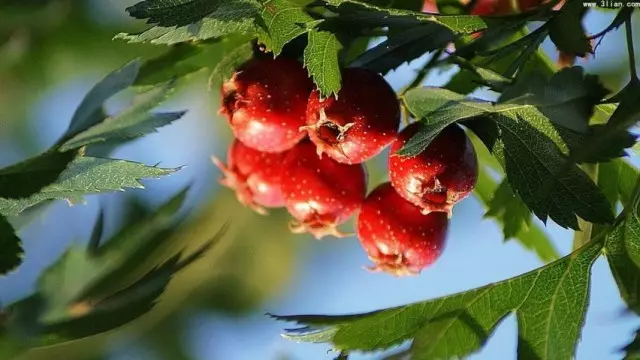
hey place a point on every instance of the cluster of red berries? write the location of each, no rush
(295, 149)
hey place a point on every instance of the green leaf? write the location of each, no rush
(230, 63)
(28, 177)
(540, 173)
(531, 149)
(508, 206)
(513, 216)
(321, 60)
(85, 176)
(62, 282)
(566, 30)
(215, 19)
(549, 304)
(622, 245)
(567, 98)
(137, 277)
(483, 76)
(94, 273)
(85, 115)
(97, 316)
(133, 122)
(633, 348)
(175, 63)
(436, 109)
(611, 139)
(363, 14)
(404, 47)
(173, 12)
(623, 268)
(11, 252)
(515, 52)
(282, 22)
(134, 244)
(617, 178)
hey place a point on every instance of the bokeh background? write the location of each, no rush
(52, 52)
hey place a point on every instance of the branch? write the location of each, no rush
(632, 56)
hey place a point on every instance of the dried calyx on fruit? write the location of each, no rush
(254, 176)
(397, 236)
(265, 103)
(359, 123)
(320, 193)
(439, 177)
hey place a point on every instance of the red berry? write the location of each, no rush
(357, 125)
(265, 102)
(439, 177)
(493, 7)
(320, 193)
(254, 175)
(430, 6)
(396, 236)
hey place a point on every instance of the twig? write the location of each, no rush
(632, 55)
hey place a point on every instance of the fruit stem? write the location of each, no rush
(581, 237)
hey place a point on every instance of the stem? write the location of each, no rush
(581, 237)
(632, 55)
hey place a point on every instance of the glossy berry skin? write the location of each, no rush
(360, 123)
(439, 177)
(265, 103)
(320, 193)
(397, 236)
(430, 7)
(254, 175)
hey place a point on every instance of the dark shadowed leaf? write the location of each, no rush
(133, 122)
(404, 47)
(368, 15)
(28, 177)
(10, 247)
(549, 304)
(182, 20)
(175, 63)
(567, 98)
(85, 115)
(566, 30)
(173, 12)
(611, 139)
(632, 350)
